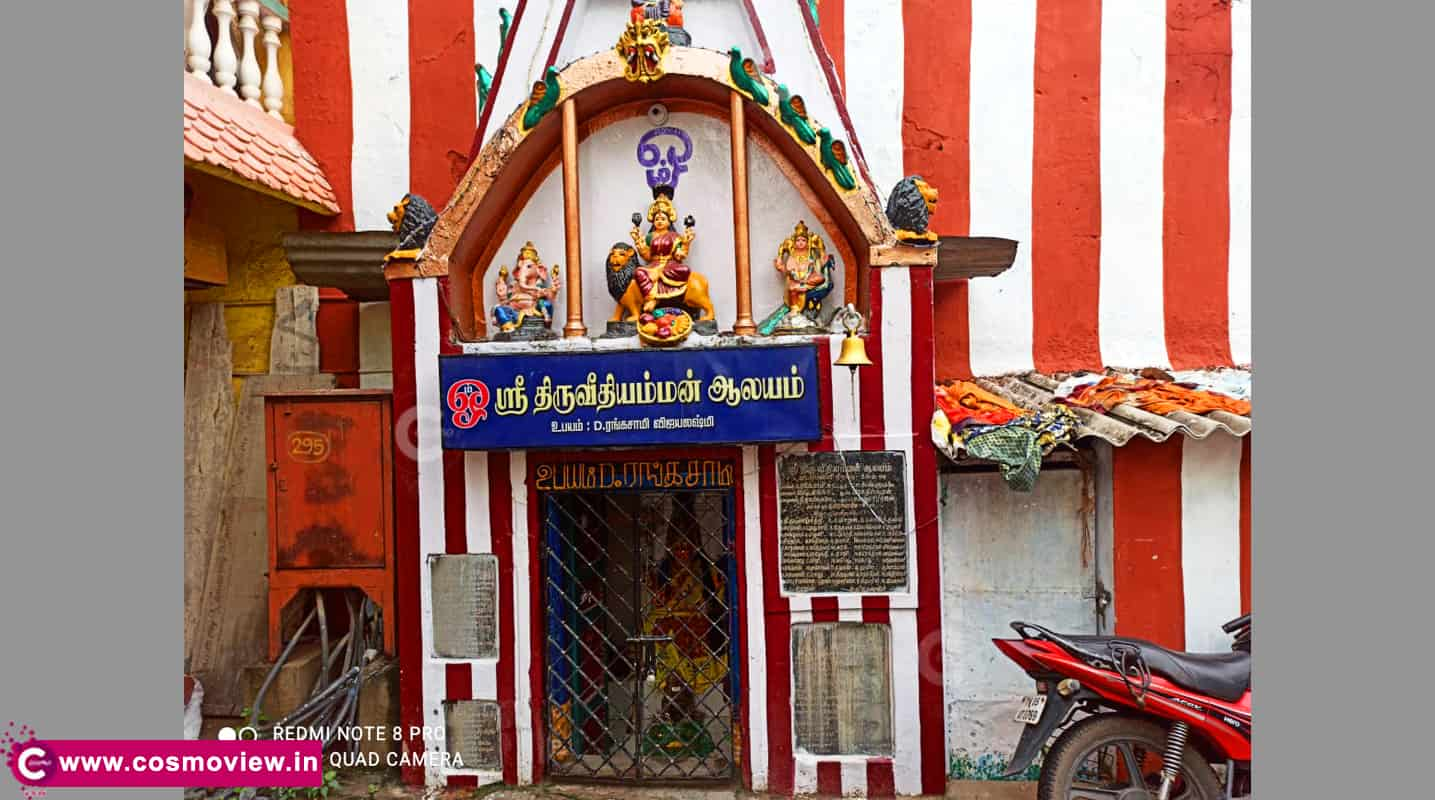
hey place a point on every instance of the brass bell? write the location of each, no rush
(854, 347)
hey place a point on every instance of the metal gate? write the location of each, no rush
(641, 664)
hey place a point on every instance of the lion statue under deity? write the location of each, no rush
(653, 272)
(909, 209)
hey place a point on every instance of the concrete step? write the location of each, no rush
(292, 687)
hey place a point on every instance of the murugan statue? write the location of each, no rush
(525, 296)
(806, 269)
(663, 279)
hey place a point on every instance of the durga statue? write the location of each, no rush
(654, 272)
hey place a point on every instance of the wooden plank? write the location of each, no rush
(294, 343)
(208, 422)
(962, 257)
(231, 632)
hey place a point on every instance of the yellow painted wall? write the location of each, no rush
(254, 226)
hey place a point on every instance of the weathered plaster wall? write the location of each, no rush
(253, 227)
(1007, 556)
(614, 186)
(379, 72)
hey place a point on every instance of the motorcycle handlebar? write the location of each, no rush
(1236, 624)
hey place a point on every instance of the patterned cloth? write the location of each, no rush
(1158, 397)
(962, 401)
(1020, 445)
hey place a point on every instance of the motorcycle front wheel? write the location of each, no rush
(1112, 757)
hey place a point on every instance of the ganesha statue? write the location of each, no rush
(653, 273)
(806, 270)
(525, 297)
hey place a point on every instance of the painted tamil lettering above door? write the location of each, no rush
(639, 397)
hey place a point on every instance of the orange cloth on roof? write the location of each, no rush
(1158, 397)
(963, 400)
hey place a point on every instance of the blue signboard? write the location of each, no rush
(631, 397)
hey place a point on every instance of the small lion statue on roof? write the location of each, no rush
(413, 220)
(909, 208)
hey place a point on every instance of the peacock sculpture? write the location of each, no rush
(834, 158)
(793, 111)
(542, 99)
(485, 85)
(505, 21)
(746, 77)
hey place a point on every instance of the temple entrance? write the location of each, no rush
(641, 662)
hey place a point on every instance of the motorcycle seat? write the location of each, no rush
(1224, 676)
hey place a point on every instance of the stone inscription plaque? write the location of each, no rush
(465, 610)
(842, 522)
(842, 688)
(472, 727)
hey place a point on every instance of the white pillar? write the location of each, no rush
(225, 63)
(273, 84)
(249, 60)
(196, 40)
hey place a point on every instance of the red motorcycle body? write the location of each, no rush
(1220, 726)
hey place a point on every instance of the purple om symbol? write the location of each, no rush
(664, 168)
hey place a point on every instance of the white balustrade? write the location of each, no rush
(226, 64)
(273, 85)
(196, 39)
(231, 59)
(248, 61)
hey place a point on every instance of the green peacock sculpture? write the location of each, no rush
(746, 77)
(485, 85)
(834, 158)
(542, 99)
(794, 115)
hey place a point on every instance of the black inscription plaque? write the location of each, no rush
(842, 522)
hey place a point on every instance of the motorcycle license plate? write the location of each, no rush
(1031, 708)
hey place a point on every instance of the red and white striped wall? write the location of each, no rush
(1181, 539)
(385, 97)
(1111, 139)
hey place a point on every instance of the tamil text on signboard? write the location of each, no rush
(641, 397)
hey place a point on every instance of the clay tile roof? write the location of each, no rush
(1124, 421)
(223, 131)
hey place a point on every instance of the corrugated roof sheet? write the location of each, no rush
(1119, 424)
(223, 131)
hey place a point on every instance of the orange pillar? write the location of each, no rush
(744, 324)
(572, 231)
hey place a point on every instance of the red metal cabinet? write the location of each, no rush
(330, 498)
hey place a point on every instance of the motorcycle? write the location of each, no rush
(1133, 720)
